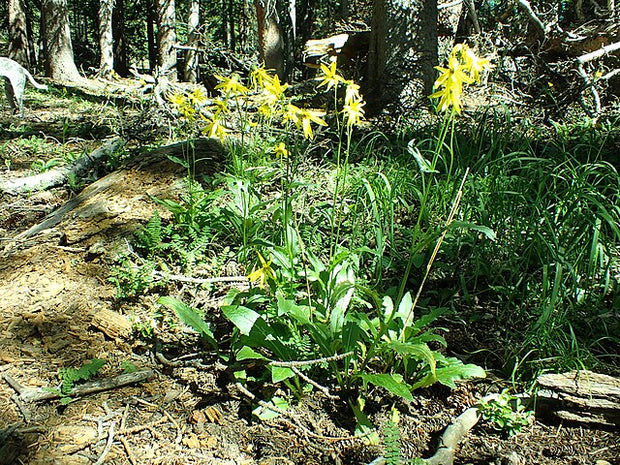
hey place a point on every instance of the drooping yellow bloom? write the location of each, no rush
(354, 112)
(274, 91)
(178, 100)
(310, 116)
(281, 150)
(473, 64)
(231, 86)
(259, 77)
(219, 106)
(352, 92)
(261, 274)
(197, 96)
(330, 76)
(215, 129)
(451, 79)
(183, 105)
(292, 114)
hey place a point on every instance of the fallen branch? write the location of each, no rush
(38, 394)
(57, 177)
(540, 27)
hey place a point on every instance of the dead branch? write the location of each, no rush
(527, 8)
(38, 394)
(57, 177)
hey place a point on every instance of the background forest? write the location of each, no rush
(361, 200)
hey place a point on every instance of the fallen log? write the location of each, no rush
(59, 176)
(580, 396)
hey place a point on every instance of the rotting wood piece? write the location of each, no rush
(581, 396)
(38, 394)
(113, 324)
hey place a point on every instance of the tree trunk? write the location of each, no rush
(120, 44)
(59, 61)
(270, 43)
(150, 35)
(166, 38)
(232, 36)
(402, 53)
(191, 56)
(106, 39)
(18, 34)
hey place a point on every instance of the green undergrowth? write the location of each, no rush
(359, 246)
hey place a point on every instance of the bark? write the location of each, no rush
(270, 43)
(120, 44)
(191, 56)
(166, 38)
(106, 39)
(150, 34)
(402, 52)
(60, 64)
(18, 34)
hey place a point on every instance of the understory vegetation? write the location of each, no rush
(361, 247)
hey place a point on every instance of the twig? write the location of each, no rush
(128, 450)
(108, 445)
(525, 6)
(189, 279)
(293, 422)
(36, 395)
(300, 363)
(309, 380)
(444, 6)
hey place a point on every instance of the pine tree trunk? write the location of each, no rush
(18, 34)
(120, 44)
(270, 43)
(60, 64)
(166, 38)
(191, 56)
(403, 51)
(150, 34)
(106, 39)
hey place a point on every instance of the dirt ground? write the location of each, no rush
(54, 283)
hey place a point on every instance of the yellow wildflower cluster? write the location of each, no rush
(263, 273)
(353, 109)
(464, 67)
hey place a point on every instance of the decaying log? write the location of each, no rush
(581, 396)
(57, 177)
(341, 46)
(112, 323)
(38, 394)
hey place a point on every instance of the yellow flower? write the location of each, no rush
(451, 79)
(354, 112)
(231, 85)
(259, 77)
(474, 64)
(197, 96)
(330, 76)
(275, 88)
(262, 273)
(292, 114)
(310, 116)
(352, 93)
(215, 129)
(281, 150)
(178, 100)
(219, 106)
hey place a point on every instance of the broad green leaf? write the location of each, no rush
(405, 306)
(488, 232)
(392, 383)
(457, 370)
(247, 353)
(281, 373)
(242, 317)
(423, 164)
(265, 413)
(420, 352)
(289, 307)
(364, 425)
(189, 316)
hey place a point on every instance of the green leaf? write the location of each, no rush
(392, 383)
(247, 353)
(488, 232)
(265, 413)
(281, 373)
(242, 317)
(423, 164)
(364, 425)
(457, 370)
(189, 316)
(420, 352)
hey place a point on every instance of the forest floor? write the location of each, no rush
(54, 283)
